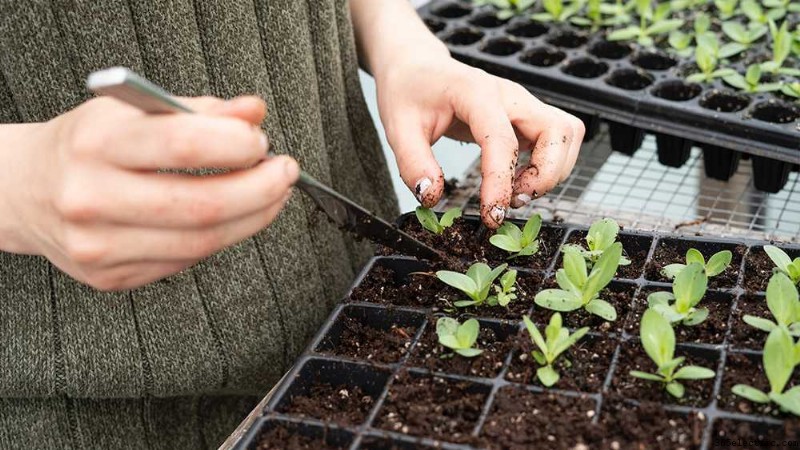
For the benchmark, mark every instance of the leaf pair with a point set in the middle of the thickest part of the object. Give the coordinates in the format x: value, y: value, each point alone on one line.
x: 751, y: 81
x: 579, y: 288
x: 784, y: 263
x: 557, y: 11
x: 518, y: 242
x: 556, y: 340
x: 653, y: 22
x: 658, y: 340
x: 688, y: 289
x: 602, y: 235
x: 459, y: 337
x: 428, y: 219
x: 707, y: 55
x: 716, y: 264
x: 784, y: 304
x: 476, y: 283
x: 504, y: 293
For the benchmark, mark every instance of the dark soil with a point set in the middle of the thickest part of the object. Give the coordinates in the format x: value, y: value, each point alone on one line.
x: 521, y: 420
x: 729, y: 433
x: 710, y: 331
x: 543, y: 56
x: 620, y: 295
x: 634, y: 247
x: 758, y: 268
x: 360, y: 341
x: 344, y: 405
x: 776, y: 112
x: 585, y: 68
x: 724, y: 101
x: 433, y: 407
x: 632, y: 357
x: 586, y: 371
x: 495, y: 345
x: 743, y: 336
x: 671, y: 251
x: 746, y: 369
x: 282, y: 438
x: 647, y: 426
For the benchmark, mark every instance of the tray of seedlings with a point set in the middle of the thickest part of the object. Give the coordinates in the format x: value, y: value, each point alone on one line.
x: 551, y: 336
x: 723, y: 75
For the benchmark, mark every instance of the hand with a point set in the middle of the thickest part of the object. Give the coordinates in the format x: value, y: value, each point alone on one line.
x: 422, y: 98
x: 83, y: 189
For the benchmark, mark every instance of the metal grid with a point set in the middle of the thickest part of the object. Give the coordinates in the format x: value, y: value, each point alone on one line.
x: 640, y: 193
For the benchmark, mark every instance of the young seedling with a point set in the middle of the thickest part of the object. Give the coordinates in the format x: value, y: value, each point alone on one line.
x: 726, y: 8
x: 779, y: 359
x: 681, y: 42
x: 518, y: 242
x: 785, y: 5
x: 557, y: 11
x: 593, y: 16
x: 782, y: 41
x: 556, y: 341
x: 602, y: 235
x: 619, y: 12
x: 507, y: 9
x: 751, y: 81
x: 580, y: 289
x: 706, y: 57
x: 458, y: 337
x: 688, y: 289
x: 784, y: 304
x: 506, y: 291
x: 658, y: 340
x: 427, y: 218
x: 759, y: 18
x: 681, y: 5
x: 783, y: 263
x: 652, y: 23
x: 476, y: 283
x: 743, y: 38
x: 716, y: 264
x: 791, y: 89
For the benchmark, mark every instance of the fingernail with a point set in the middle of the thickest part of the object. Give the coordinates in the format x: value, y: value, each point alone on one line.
x: 419, y: 189
x: 521, y: 200
x: 498, y: 213
x: 264, y: 142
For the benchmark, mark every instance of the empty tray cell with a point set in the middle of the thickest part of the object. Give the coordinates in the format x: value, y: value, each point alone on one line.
x: 698, y: 393
x: 724, y: 100
x: 566, y: 39
x: 333, y: 391
x: 744, y: 368
x: 542, y: 56
x: 463, y: 36
x: 400, y: 282
x: 585, y: 67
x: 609, y: 49
x: 583, y: 367
x: 619, y: 294
x: 373, y: 334
x: 653, y: 60
x: 744, y: 336
x: 676, y: 90
x: 630, y: 79
x: 434, y: 407
x: 487, y: 19
x: 527, y: 29
x: 635, y: 248
x: 502, y: 46
x: 774, y: 111
x: 758, y: 267
x: 277, y: 434
x: 451, y: 10
x: 673, y: 251
x: 730, y: 433
x: 710, y: 331
x: 647, y: 426
x: 495, y: 339
x: 520, y: 419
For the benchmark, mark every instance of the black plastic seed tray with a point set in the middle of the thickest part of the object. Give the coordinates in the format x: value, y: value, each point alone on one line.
x: 633, y: 89
x: 411, y: 398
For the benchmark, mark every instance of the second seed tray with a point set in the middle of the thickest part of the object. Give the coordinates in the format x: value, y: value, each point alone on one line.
x: 411, y: 398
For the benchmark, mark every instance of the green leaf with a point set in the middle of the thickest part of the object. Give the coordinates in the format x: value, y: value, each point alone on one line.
x: 427, y: 218
x: 670, y: 271
x: 558, y: 300
x: 750, y: 393
x: 528, y: 250
x: 693, y: 373
x: 446, y: 326
x: 603, y: 309
x: 752, y: 10
x: 693, y: 255
x: 664, y: 26
x: 659, y: 298
x: 536, y: 336
x: 570, y: 341
x: 603, y: 271
x: 776, y: 365
x: 782, y: 298
x: 459, y: 281
x: 467, y: 333
x: 465, y: 303
x: 668, y: 313
x: 679, y: 40
x: 449, y: 341
x: 779, y: 257
x: 702, y: 23
x: 758, y: 322
x: 696, y: 317
x: 696, y: 78
x: 645, y: 376
x: 668, y: 367
x: 718, y: 263
x: 508, y: 280
x: 547, y: 375
x: 566, y: 284
x: 736, y: 32
x: 658, y: 338
x: 675, y: 389
x: 469, y: 352
x: 789, y: 400
x: 532, y: 227
x: 738, y: 81
x: 753, y: 75
x: 575, y: 267
x: 689, y: 286
x: 602, y: 234
x: 449, y: 216
x: 624, y: 34
x: 505, y: 242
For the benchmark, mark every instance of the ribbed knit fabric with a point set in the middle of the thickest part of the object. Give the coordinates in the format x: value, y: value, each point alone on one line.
x: 178, y: 363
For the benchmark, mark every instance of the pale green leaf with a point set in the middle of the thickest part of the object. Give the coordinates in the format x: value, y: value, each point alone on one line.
x: 603, y: 271
x: 536, y: 336
x: 789, y: 400
x: 779, y: 257
x: 505, y: 242
x: 675, y: 389
x: 696, y: 317
x: 782, y: 298
x: 427, y: 218
x: 558, y: 300
x: 575, y: 267
x: 670, y: 271
x: 531, y: 229
x: 467, y: 333
x: 759, y: 323
x: 602, y: 234
x: 657, y: 336
x: 547, y: 375
x: 693, y: 255
x: 449, y: 216
x: 603, y: 309
x: 689, y: 286
x: 750, y: 393
x: 777, y: 365
x: 646, y: 376
x: 469, y: 352
x: 693, y: 373
x: 624, y: 34
x: 665, y: 26
x: 718, y: 263
x: 459, y: 281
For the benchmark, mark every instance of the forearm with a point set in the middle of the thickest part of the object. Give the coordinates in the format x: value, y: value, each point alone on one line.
x: 390, y: 29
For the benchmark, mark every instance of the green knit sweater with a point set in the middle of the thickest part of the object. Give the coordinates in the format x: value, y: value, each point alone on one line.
x: 178, y: 363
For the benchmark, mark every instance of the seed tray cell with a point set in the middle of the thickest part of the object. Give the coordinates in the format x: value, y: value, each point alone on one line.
x: 418, y: 400
x: 635, y: 90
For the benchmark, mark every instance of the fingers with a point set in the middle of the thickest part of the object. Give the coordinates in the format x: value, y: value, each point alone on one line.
x: 176, y: 201
x: 418, y: 168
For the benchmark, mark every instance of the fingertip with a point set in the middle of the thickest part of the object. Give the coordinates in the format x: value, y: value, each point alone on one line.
x: 249, y: 108
x: 493, y: 215
x: 428, y: 189
x: 291, y: 168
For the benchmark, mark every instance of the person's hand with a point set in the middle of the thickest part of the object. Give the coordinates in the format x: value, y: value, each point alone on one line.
x: 85, y: 190
x: 424, y: 97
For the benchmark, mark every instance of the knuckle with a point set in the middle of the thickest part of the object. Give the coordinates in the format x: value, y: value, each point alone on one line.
x: 86, y: 140
x: 579, y: 127
x: 76, y: 205
x: 207, y: 211
x: 182, y: 145
x: 83, y: 249
x: 205, y: 244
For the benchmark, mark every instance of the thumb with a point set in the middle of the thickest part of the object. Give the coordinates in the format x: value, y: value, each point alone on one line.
x: 418, y: 168
x: 250, y: 108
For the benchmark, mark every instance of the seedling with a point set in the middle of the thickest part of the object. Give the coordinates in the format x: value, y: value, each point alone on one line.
x: 782, y: 41
x: 681, y: 42
x: 507, y: 9
x: 688, y: 289
x: 602, y: 235
x: 791, y: 89
x: 743, y: 38
x: 458, y: 337
x: 476, y: 283
x: 715, y: 266
x: 783, y: 303
x: 427, y: 218
x: 619, y: 11
x: 506, y: 291
x: 779, y: 358
x: 726, y: 8
x: 785, y: 5
x: 580, y: 289
x: 557, y: 11
x: 680, y: 5
x: 783, y: 263
x: 652, y: 22
x: 518, y: 242
x: 707, y: 57
x: 758, y: 16
x: 556, y: 341
x: 751, y: 81
x: 594, y: 16
x: 658, y: 340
